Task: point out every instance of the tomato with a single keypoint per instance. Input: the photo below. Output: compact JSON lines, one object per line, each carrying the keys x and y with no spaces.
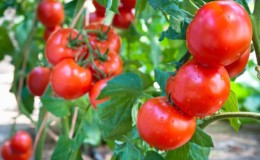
{"x":6,"y":151}
{"x":21,"y":142}
{"x":123,"y":19}
{"x":38,"y":80}
{"x":94,"y":18}
{"x":22,"y":156}
{"x":49,"y":31}
{"x":162,"y":126}
{"x":111,"y":40}
{"x":101,"y":10}
{"x":111,"y":66}
{"x":69,"y":80}
{"x":219,"y":33}
{"x":95,"y":91}
{"x":235,"y":68}
{"x":50,"y":13}
{"x":57,"y":46}
{"x":167,"y":87}
{"x":199,"y":90}
{"x":128,"y":4}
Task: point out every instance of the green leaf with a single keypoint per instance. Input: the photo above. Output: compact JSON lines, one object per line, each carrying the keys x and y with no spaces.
{"x":152,"y":155}
{"x":161,"y":78}
{"x":127,"y":151}
{"x":115,"y":114}
{"x":201,"y":138}
{"x":231,"y":105}
{"x":176,"y":34}
{"x":58,"y":107}
{"x":27,"y":100}
{"x":6,"y":45}
{"x":62,"y":149}
{"x":110,"y":5}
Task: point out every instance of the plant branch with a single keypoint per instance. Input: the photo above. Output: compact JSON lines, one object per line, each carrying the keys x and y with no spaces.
{"x":75,"y":20}
{"x":228,"y":115}
{"x":255,"y":18}
{"x":73,"y":123}
{"x":38,"y":136}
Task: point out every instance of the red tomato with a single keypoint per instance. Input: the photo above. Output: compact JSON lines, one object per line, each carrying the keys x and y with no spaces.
{"x":49,"y":31}
{"x":111,"y":40}
{"x":95,"y":91}
{"x":199,"y":90}
{"x":128,"y":4}
{"x":22,"y":156}
{"x":21,"y":142}
{"x":6,"y":151}
{"x":235,"y":68}
{"x":94,"y":18}
{"x":101,"y":10}
{"x":123,"y":19}
{"x":57,"y":46}
{"x":162,"y":126}
{"x":112,"y":66}
{"x":69,"y":80}
{"x":50,"y":13}
{"x":219,"y":33}
{"x":38,"y":79}
{"x":169,"y":81}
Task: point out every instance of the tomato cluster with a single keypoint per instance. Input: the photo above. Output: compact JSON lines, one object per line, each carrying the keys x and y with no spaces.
{"x":219,"y":40}
{"x":79,"y":61}
{"x":19,"y":147}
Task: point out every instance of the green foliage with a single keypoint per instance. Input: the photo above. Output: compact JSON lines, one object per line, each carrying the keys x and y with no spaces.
{"x":152,"y":155}
{"x":110,"y":4}
{"x":6,"y":46}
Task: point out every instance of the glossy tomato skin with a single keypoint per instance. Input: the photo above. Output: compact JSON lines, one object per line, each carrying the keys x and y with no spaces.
{"x":112,"y":66}
{"x":123,"y":20}
{"x":38,"y":80}
{"x":48,"y":31}
{"x":6,"y":151}
{"x":168,"y":83}
{"x":99,"y":8}
{"x":50,"y":13}
{"x":237,"y":67}
{"x":128,"y":4}
{"x":162,"y":126}
{"x":95,"y":91}
{"x":199,"y":90}
{"x":219,"y":33}
{"x":111,"y":41}
{"x":69,"y":80}
{"x":57,"y":46}
{"x":21,"y":142}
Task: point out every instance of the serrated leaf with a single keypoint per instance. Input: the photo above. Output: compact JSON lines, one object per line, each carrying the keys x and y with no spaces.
{"x":115,"y":114}
{"x":56,"y":106}
{"x":161,"y":78}
{"x":231,"y":105}
{"x":128,"y":151}
{"x":152,"y":155}
{"x":201,"y":138}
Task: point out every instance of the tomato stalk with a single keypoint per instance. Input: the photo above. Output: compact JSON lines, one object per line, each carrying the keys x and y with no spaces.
{"x":227,"y":115}
{"x":255,"y":17}
{"x":73,"y":123}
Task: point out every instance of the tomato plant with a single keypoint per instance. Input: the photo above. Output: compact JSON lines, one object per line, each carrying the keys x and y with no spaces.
{"x":155,"y":72}
{"x":224,"y":23}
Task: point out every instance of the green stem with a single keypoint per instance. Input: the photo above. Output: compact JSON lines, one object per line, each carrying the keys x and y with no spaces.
{"x":65,"y":126}
{"x":255,"y":18}
{"x":228,"y":115}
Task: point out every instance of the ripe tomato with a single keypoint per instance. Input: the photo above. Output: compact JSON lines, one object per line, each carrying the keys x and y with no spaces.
{"x":94,"y":18}
{"x":50,"y":13}
{"x":38,"y":80}
{"x":111,"y":40}
{"x":95,"y":91}
{"x":69,"y":80}
{"x":219,"y":33}
{"x":22,"y":156}
{"x":162,"y":126}
{"x":6,"y":151}
{"x":123,"y":19}
{"x":99,"y":8}
{"x":199,"y":90}
{"x":167,"y":87}
{"x":21,"y":142}
{"x":112,"y":66}
{"x":49,"y":31}
{"x":128,"y":4}
{"x":57,"y":46}
{"x":235,"y":68}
